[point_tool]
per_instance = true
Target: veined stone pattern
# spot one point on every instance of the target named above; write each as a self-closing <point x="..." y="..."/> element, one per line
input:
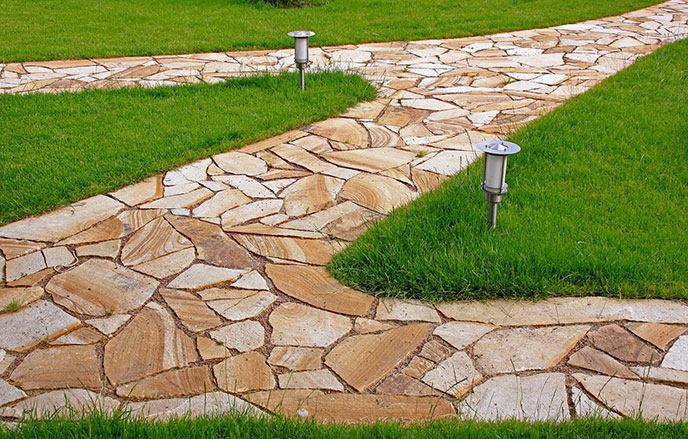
<point x="203" y="290"/>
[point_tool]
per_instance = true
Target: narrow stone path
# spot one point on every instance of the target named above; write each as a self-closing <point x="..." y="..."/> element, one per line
<point x="205" y="288"/>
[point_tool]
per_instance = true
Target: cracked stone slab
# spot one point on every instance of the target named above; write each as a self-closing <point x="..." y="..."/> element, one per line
<point x="456" y="375"/>
<point x="29" y="326"/>
<point x="237" y="304"/>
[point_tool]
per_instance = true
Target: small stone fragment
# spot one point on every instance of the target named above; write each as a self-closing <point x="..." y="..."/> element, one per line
<point x="592" y="359"/>
<point x="456" y="375"/>
<point x="461" y="334"/>
<point x="621" y="344"/>
<point x="658" y="334"/>
<point x="435" y="351"/>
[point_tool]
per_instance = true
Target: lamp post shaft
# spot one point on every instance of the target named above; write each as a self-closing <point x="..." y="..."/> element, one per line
<point x="492" y="214"/>
<point x="302" y="77"/>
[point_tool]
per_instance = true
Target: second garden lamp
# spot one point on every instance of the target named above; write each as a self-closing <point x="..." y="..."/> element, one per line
<point x="494" y="173"/>
<point x="301" y="52"/>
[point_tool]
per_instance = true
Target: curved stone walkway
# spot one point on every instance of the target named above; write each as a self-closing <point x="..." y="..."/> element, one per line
<point x="203" y="288"/>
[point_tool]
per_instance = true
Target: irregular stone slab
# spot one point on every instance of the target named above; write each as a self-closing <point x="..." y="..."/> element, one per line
<point x="22" y="266"/>
<point x="13" y="248"/>
<point x="239" y="163"/>
<point x="244" y="373"/>
<point x="64" y="222"/>
<point x="298" y="325"/>
<point x="406" y="310"/>
<point x="109" y="325"/>
<point x="311" y="251"/>
<point x="400" y="384"/>
<point x="661" y="374"/>
<point x="99" y="288"/>
<point x="587" y="408"/>
<point x="321" y="379"/>
<point x="262" y="229"/>
<point x="247" y="186"/>
<point x="19" y="296"/>
<point x="67" y="402"/>
<point x="236" y="304"/>
<point x="371" y="160"/>
<point x="208" y="404"/>
<point x="592" y="359"/>
<point x="310" y="194"/>
<point x="251" y="281"/>
<point x="58" y="368"/>
<point x="211" y="243"/>
<point x="367" y="326"/>
<point x="565" y="310"/>
<point x="632" y="398"/>
<point x="342" y="130"/>
<point x="455" y="375"/>
<point x="243" y="336"/>
<point x="168" y="265"/>
<point x="363" y="360"/>
<point x="426" y="181"/>
<point x="192" y="311"/>
<point x="417" y="367"/>
<point x="435" y="351"/>
<point x="9" y="393"/>
<point x="31" y="325"/>
<point x="251" y="211"/>
<point x="316" y="287"/>
<point x="677" y="357"/>
<point x="170" y="384"/>
<point x="401" y="117"/>
<point x="148" y="190"/>
<point x="58" y="257"/>
<point x="296" y="359"/>
<point x="157" y="238"/>
<point x="181" y="201"/>
<point x="658" y="334"/>
<point x="116" y="227"/>
<point x="220" y="203"/>
<point x="377" y="193"/>
<point x="6" y="360"/>
<point x="151" y="343"/>
<point x="81" y="336"/>
<point x="211" y="349"/>
<point x="460" y="334"/>
<point x="352" y="408"/>
<point x="319" y="220"/>
<point x="449" y="162"/>
<point x="540" y="397"/>
<point x="518" y="349"/>
<point x="200" y="276"/>
<point x="621" y="344"/>
<point x="105" y="249"/>
<point x="301" y="157"/>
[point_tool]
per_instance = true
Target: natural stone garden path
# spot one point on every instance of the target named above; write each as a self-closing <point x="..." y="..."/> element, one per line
<point x="203" y="288"/>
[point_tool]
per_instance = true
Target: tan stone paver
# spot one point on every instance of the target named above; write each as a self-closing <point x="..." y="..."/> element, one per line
<point x="212" y="275"/>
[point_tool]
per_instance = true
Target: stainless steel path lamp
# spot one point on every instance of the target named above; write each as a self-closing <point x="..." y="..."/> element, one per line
<point x="301" y="52"/>
<point x="494" y="173"/>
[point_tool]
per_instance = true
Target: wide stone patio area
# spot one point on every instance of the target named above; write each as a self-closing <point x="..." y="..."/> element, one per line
<point x="203" y="290"/>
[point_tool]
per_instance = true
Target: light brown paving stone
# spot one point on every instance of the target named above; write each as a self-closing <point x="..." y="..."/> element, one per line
<point x="314" y="144"/>
<point x="237" y="304"/>
<point x="400" y="384"/>
<point x="151" y="343"/>
<point x="449" y="162"/>
<point x="192" y="311"/>
<point x="310" y="194"/>
<point x="81" y="336"/>
<point x="401" y="117"/>
<point x="247" y="186"/>
<point x="652" y="373"/>
<point x="417" y="367"/>
<point x="24" y="266"/>
<point x="677" y="357"/>
<point x="381" y="136"/>
<point x="148" y="190"/>
<point x="208" y="404"/>
<point x="656" y="333"/>
<point x="170" y="384"/>
<point x="597" y="361"/>
<point x="201" y="276"/>
<point x="540" y="397"/>
<point x="319" y="220"/>
<point x="167" y="265"/>
<point x="586" y="407"/>
<point x="180" y="201"/>
<point x="435" y="351"/>
<point x="634" y="398"/>
<point x="518" y="349"/>
<point x="244" y="373"/>
<point x="370" y="160"/>
<point x="406" y="310"/>
<point x="13" y="248"/>
<point x="301" y="157"/>
<point x="316" y="287"/>
<point x="64" y="222"/>
<point x="243" y="336"/>
<point x="240" y="163"/>
<point x="35" y="323"/>
<point x="363" y="360"/>
<point x="58" y="257"/>
<point x="116" y="227"/>
<point x="465" y="140"/>
<point x="375" y="192"/>
<point x="262" y="229"/>
<point x="9" y="393"/>
<point x="62" y="402"/>
<point x="312" y="251"/>
<point x="32" y="279"/>
<point x="342" y="407"/>
<point x="155" y="239"/>
<point x="621" y="344"/>
<point x="105" y="249"/>
<point x="211" y="349"/>
<point x="251" y="211"/>
<point x="99" y="287"/>
<point x="456" y="375"/>
<point x="298" y="325"/>
<point x="20" y="296"/>
<point x="58" y="368"/>
<point x="296" y="359"/>
<point x="109" y="325"/>
<point x="342" y="130"/>
<point x="321" y="379"/>
<point x="461" y="334"/>
<point x="426" y="181"/>
<point x="6" y="359"/>
<point x="251" y="281"/>
<point x="220" y="203"/>
<point x="366" y="326"/>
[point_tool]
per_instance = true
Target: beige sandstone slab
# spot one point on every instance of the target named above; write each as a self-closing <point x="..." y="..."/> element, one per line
<point x="251" y="211"/>
<point x="13" y="248"/>
<point x="19" y="296"/>
<point x="155" y="239"/>
<point x="181" y="201"/>
<point x="377" y="193"/>
<point x="597" y="361"/>
<point x="449" y="162"/>
<point x="58" y="257"/>
<point x="9" y="393"/>
<point x="406" y="310"/>
<point x="244" y="373"/>
<point x="105" y="249"/>
<point x="151" y="343"/>
<point x="58" y="368"/>
<point x="148" y="190"/>
<point x="211" y="349"/>
<point x="251" y="281"/>
<point x="236" y="162"/>
<point x="401" y="117"/>
<point x="370" y="160"/>
<point x="363" y="360"/>
<point x="300" y="157"/>
<point x="6" y="360"/>
<point x="262" y="229"/>
<point x="312" y="251"/>
<point x="401" y="384"/>
<point x="461" y="334"/>
<point x="296" y="358"/>
<point x="321" y="379"/>
<point x="417" y="367"/>
<point x="310" y="194"/>
<point x="243" y="336"/>
<point x="80" y="336"/>
<point x="23" y="266"/>
<point x="35" y="323"/>
<point x="316" y="287"/>
<point x="652" y="373"/>
<point x="116" y="227"/>
<point x="658" y="334"/>
<point x="170" y="384"/>
<point x="435" y="351"/>
<point x="586" y="407"/>
<point x="621" y="344"/>
<point x="62" y="402"/>
<point x="99" y="287"/>
<point x="192" y="311"/>
<point x="298" y="325"/>
<point x="456" y="375"/>
<point x="238" y="304"/>
<point x="381" y="136"/>
<point x="207" y="404"/>
<point x="220" y="203"/>
<point x="519" y="349"/>
<point x="109" y="325"/>
<point x="677" y="357"/>
<point x="201" y="276"/>
<point x="426" y="181"/>
<point x="342" y="130"/>
<point x="167" y="265"/>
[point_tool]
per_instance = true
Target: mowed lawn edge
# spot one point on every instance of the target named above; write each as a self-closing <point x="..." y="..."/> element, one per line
<point x="73" y="29"/>
<point x="60" y="148"/>
<point x="597" y="205"/>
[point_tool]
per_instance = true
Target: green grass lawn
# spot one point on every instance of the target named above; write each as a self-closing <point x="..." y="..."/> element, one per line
<point x="278" y="427"/>
<point x="60" y="29"/>
<point x="57" y="149"/>
<point x="597" y="204"/>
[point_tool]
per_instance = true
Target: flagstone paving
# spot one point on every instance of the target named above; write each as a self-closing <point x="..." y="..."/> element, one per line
<point x="203" y="290"/>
